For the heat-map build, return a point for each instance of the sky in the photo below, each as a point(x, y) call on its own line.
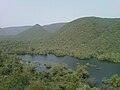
point(30, 12)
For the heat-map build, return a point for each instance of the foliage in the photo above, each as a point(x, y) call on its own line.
point(19, 76)
point(35, 32)
point(112, 84)
point(82, 38)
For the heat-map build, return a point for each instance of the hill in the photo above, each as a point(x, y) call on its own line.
point(2, 32)
point(7, 31)
point(82, 38)
point(89, 37)
point(53, 27)
point(35, 32)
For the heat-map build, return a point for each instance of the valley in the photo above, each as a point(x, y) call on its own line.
point(81, 43)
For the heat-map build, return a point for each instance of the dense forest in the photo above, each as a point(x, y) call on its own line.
point(16, 74)
point(89, 37)
point(84, 38)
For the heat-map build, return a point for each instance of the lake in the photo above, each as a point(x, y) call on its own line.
point(102, 69)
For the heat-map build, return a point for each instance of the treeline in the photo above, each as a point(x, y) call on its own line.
point(45, 47)
point(82, 38)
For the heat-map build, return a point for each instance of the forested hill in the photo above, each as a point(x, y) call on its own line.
point(12, 31)
point(53, 27)
point(90, 35)
point(35, 32)
point(7, 31)
point(82, 38)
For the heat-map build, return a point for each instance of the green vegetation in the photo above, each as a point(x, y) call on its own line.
point(18, 75)
point(111, 84)
point(89, 37)
point(11, 31)
point(53, 27)
point(83, 38)
point(35, 32)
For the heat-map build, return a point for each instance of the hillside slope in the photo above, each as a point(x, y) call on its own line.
point(13, 30)
point(53, 27)
point(89, 37)
point(83, 38)
point(35, 32)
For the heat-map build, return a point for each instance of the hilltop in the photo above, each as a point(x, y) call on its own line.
point(35, 32)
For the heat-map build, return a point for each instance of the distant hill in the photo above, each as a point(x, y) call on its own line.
point(53, 27)
point(2, 32)
point(89, 36)
point(13, 30)
point(83, 38)
point(7, 31)
point(35, 32)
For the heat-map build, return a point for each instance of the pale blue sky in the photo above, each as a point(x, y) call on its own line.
point(30, 12)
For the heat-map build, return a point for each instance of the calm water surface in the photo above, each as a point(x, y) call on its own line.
point(108, 68)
